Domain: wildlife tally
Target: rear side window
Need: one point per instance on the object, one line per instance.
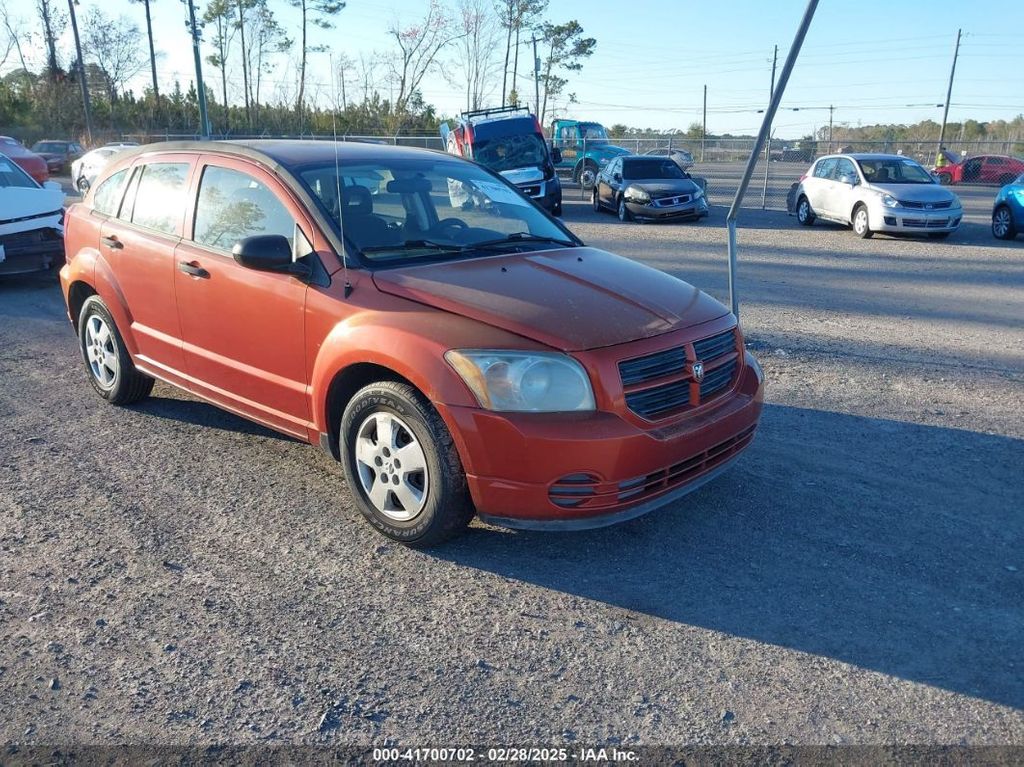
(824, 168)
(233, 205)
(107, 196)
(160, 199)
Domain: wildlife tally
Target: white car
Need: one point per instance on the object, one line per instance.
(85, 169)
(877, 193)
(31, 221)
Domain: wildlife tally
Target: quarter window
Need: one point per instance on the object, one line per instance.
(107, 196)
(160, 199)
(233, 205)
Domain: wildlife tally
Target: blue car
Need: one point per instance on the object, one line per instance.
(1008, 211)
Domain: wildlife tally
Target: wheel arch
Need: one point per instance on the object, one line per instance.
(343, 387)
(78, 292)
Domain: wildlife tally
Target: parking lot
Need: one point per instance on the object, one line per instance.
(170, 573)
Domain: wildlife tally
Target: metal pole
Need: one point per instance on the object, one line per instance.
(830, 110)
(704, 125)
(769, 116)
(204, 118)
(536, 79)
(768, 145)
(81, 74)
(949, 93)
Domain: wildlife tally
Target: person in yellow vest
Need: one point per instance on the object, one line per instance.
(941, 161)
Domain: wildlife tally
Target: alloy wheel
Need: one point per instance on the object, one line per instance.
(1001, 223)
(100, 351)
(392, 466)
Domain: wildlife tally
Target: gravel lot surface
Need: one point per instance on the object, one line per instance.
(170, 573)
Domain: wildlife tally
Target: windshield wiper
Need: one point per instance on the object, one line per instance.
(413, 244)
(518, 237)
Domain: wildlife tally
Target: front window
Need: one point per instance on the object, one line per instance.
(12, 175)
(233, 205)
(435, 208)
(508, 152)
(651, 169)
(894, 171)
(50, 147)
(593, 133)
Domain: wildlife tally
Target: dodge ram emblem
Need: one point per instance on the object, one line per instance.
(698, 371)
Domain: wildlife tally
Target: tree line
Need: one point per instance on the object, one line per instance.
(258, 68)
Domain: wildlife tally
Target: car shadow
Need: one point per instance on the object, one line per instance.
(201, 413)
(817, 542)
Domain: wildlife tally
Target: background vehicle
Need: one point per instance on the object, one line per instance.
(85, 169)
(509, 141)
(585, 149)
(876, 193)
(58, 154)
(474, 357)
(31, 221)
(680, 156)
(983, 169)
(31, 163)
(651, 188)
(1008, 210)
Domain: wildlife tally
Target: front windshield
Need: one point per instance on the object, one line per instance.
(895, 171)
(508, 152)
(54, 147)
(593, 133)
(652, 168)
(13, 176)
(397, 211)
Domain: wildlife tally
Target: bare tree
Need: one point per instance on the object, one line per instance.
(54, 21)
(514, 16)
(266, 38)
(566, 48)
(476, 62)
(220, 15)
(318, 13)
(152, 50)
(14, 26)
(418, 47)
(113, 44)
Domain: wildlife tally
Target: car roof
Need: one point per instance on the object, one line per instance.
(867, 156)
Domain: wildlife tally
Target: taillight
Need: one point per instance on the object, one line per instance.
(802, 179)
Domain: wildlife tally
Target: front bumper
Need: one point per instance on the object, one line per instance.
(36, 250)
(547, 193)
(902, 220)
(578, 471)
(692, 210)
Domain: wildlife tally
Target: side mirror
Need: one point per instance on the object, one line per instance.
(851, 180)
(266, 253)
(556, 155)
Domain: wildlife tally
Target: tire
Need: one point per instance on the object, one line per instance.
(596, 201)
(623, 212)
(1003, 225)
(557, 210)
(804, 213)
(418, 506)
(107, 362)
(945, 179)
(587, 175)
(860, 223)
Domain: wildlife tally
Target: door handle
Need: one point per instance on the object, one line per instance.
(193, 269)
(112, 242)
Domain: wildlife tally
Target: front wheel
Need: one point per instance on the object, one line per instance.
(111, 370)
(588, 175)
(623, 211)
(1003, 227)
(595, 201)
(860, 222)
(402, 466)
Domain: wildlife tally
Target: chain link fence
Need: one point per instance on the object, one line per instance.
(719, 161)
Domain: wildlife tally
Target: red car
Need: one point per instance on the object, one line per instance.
(455, 347)
(983, 169)
(31, 163)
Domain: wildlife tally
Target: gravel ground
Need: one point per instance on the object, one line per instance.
(170, 573)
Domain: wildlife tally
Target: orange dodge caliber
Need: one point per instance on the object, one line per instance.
(457, 349)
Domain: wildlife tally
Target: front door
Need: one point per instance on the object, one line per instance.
(243, 330)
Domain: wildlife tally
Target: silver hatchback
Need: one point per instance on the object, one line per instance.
(877, 193)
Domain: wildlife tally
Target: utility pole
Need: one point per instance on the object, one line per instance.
(536, 81)
(831, 109)
(768, 143)
(81, 73)
(704, 125)
(204, 118)
(949, 92)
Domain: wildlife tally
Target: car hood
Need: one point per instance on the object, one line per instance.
(527, 175)
(915, 192)
(17, 202)
(570, 299)
(661, 186)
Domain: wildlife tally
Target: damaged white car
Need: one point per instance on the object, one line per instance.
(31, 222)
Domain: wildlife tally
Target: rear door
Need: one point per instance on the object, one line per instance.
(818, 185)
(840, 197)
(139, 244)
(243, 330)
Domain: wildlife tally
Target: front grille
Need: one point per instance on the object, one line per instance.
(925, 223)
(662, 383)
(670, 200)
(31, 241)
(531, 191)
(586, 491)
(926, 205)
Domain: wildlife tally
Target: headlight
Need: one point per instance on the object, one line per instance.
(528, 382)
(636, 194)
(698, 194)
(889, 201)
(955, 203)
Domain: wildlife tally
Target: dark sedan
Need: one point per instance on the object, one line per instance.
(58, 154)
(648, 188)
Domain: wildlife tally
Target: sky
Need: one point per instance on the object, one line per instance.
(874, 61)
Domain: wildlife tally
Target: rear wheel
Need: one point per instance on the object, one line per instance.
(402, 466)
(945, 178)
(1003, 226)
(860, 222)
(804, 214)
(111, 370)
